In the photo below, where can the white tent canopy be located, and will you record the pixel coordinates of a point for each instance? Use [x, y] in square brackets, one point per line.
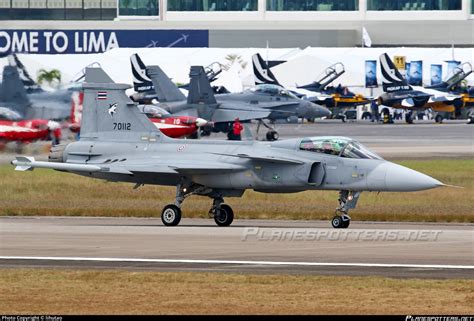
[302, 66]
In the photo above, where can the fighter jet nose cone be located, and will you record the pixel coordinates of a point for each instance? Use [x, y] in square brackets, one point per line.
[402, 179]
[320, 111]
[328, 112]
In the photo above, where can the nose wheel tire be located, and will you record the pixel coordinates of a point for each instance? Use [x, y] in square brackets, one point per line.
[171, 215]
[338, 222]
[224, 216]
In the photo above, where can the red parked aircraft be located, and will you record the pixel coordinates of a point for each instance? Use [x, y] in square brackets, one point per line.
[26, 131]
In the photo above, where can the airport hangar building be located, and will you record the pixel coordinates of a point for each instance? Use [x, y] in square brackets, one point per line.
[76, 26]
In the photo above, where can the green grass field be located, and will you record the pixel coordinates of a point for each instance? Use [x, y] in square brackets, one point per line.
[47, 192]
[55, 291]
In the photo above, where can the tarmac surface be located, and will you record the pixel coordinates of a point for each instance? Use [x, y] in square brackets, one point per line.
[421, 250]
[425, 139]
[399, 140]
[254, 246]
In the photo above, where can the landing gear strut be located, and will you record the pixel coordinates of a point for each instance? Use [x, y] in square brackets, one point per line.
[409, 117]
[347, 200]
[272, 134]
[222, 213]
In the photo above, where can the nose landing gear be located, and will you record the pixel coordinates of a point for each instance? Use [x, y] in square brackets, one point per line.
[347, 200]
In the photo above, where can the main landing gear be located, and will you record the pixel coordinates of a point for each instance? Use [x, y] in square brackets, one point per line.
[409, 117]
[272, 134]
[222, 213]
[347, 200]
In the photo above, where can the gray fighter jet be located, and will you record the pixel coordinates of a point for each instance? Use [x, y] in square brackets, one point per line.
[264, 102]
[119, 143]
[21, 94]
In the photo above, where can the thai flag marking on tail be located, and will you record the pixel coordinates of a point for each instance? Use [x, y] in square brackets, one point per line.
[101, 95]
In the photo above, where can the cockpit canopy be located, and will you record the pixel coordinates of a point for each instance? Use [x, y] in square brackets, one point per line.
[153, 111]
[338, 146]
[273, 90]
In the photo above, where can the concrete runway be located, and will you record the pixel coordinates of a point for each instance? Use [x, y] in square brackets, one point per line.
[248, 246]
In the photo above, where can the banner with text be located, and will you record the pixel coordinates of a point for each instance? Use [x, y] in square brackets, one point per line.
[96, 41]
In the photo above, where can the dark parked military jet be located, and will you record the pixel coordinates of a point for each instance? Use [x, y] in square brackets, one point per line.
[399, 94]
[263, 102]
[119, 143]
[453, 85]
[18, 122]
[26, 97]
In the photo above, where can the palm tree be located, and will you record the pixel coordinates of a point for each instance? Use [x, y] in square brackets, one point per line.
[49, 76]
[231, 58]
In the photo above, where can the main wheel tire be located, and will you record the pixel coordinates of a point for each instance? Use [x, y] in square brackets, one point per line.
[471, 120]
[337, 222]
[409, 118]
[225, 217]
[275, 135]
[439, 119]
[272, 135]
[171, 215]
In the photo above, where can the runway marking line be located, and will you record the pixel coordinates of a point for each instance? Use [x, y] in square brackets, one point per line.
[134, 260]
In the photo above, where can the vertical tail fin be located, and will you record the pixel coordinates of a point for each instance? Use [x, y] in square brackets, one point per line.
[141, 81]
[153, 79]
[165, 89]
[392, 79]
[262, 73]
[109, 114]
[12, 90]
[30, 85]
[200, 91]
